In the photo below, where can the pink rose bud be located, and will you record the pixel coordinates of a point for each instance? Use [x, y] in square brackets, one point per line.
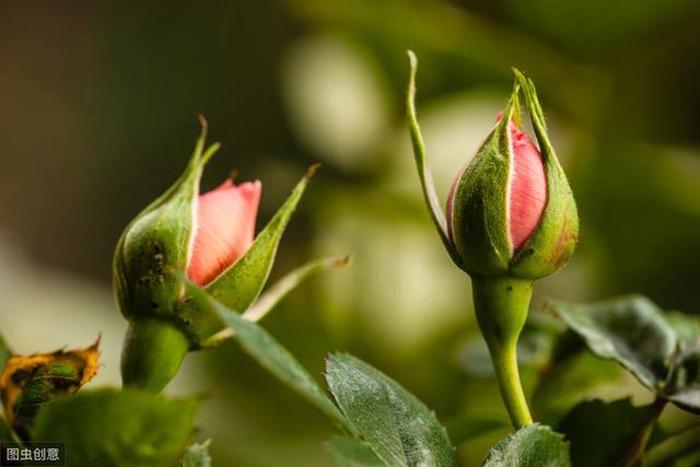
[224, 229]
[527, 187]
[208, 239]
[511, 212]
[511, 219]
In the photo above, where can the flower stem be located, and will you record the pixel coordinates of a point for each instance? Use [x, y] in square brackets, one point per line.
[152, 354]
[501, 306]
[636, 449]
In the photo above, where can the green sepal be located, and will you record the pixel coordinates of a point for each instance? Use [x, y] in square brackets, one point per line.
[479, 218]
[239, 285]
[157, 242]
[426, 179]
[556, 236]
[277, 291]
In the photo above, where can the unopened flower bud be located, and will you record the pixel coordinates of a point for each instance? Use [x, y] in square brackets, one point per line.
[181, 233]
[206, 239]
[511, 219]
[511, 212]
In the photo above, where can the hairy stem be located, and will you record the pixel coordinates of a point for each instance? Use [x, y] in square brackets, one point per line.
[501, 306]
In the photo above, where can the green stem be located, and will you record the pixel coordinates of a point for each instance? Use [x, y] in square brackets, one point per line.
[676, 446]
[152, 354]
[501, 306]
[636, 449]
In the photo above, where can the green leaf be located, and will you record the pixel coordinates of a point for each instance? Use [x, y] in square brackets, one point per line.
[661, 350]
[270, 354]
[687, 328]
[630, 330]
[352, 453]
[531, 446]
[399, 428]
[464, 428]
[684, 386]
[239, 286]
[197, 455]
[276, 292]
[426, 178]
[600, 432]
[118, 428]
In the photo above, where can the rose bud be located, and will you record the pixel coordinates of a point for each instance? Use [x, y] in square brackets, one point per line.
[511, 211]
[206, 239]
[511, 219]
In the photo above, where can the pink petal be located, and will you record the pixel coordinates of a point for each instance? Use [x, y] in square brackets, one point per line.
[225, 228]
[528, 187]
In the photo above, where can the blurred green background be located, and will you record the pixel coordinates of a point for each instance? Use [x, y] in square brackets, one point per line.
[99, 103]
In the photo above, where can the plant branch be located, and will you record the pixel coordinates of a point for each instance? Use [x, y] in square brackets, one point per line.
[636, 449]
